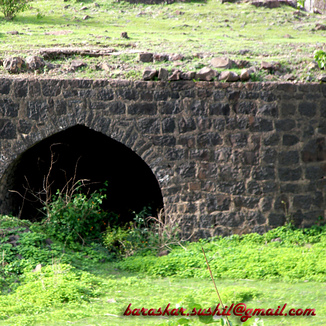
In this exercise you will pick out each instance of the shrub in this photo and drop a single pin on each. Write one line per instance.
(145, 234)
(76, 217)
(11, 7)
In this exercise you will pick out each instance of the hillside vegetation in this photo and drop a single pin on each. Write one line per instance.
(198, 31)
(45, 281)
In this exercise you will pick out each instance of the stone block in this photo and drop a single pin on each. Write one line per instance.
(315, 172)
(219, 109)
(288, 109)
(261, 125)
(287, 174)
(302, 201)
(149, 125)
(122, 94)
(272, 139)
(142, 108)
(239, 139)
(269, 156)
(246, 107)
(8, 108)
(270, 110)
(146, 57)
(24, 126)
(263, 173)
(254, 188)
(314, 151)
(288, 158)
(7, 129)
(186, 125)
(115, 107)
(168, 125)
(209, 139)
(276, 219)
(290, 140)
(186, 170)
(164, 140)
(217, 202)
(284, 125)
(307, 109)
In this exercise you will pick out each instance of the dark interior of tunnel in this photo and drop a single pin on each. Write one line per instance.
(87, 154)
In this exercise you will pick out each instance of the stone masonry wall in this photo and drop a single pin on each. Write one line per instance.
(229, 158)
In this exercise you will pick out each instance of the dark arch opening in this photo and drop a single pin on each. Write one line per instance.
(131, 183)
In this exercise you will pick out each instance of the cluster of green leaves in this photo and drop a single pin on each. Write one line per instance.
(134, 237)
(33, 247)
(10, 8)
(284, 253)
(189, 303)
(144, 234)
(52, 286)
(320, 57)
(77, 217)
(300, 3)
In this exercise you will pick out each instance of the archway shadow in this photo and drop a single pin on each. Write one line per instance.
(86, 154)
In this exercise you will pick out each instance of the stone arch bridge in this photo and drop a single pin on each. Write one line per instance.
(222, 158)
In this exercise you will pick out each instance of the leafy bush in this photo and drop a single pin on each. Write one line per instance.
(11, 7)
(320, 57)
(76, 217)
(145, 234)
(129, 239)
(7, 221)
(32, 247)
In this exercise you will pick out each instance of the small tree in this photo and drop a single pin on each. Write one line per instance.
(11, 7)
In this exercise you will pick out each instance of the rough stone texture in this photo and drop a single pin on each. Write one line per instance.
(77, 64)
(189, 75)
(176, 75)
(229, 158)
(245, 75)
(35, 63)
(13, 64)
(163, 74)
(229, 76)
(223, 63)
(266, 65)
(160, 57)
(206, 74)
(149, 73)
(146, 57)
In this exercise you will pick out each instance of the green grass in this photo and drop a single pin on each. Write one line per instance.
(83, 285)
(118, 289)
(212, 29)
(300, 257)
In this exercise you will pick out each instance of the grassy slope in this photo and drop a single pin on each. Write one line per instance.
(212, 28)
